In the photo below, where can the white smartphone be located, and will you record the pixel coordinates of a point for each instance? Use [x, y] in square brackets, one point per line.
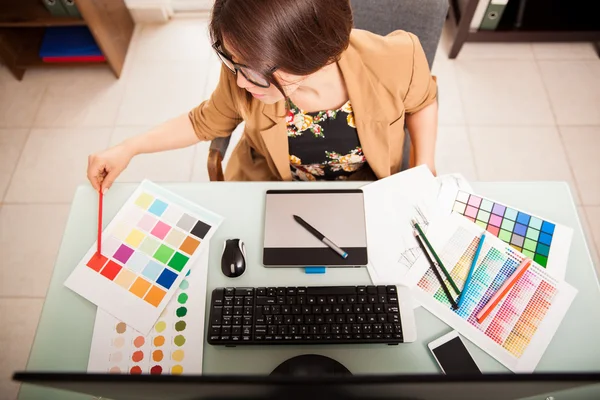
[452, 356]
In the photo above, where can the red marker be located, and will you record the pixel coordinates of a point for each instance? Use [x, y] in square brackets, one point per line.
[99, 250]
[508, 284]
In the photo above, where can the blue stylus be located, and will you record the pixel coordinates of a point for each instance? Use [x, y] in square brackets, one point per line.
[471, 270]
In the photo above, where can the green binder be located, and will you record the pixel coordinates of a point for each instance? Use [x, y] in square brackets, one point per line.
[55, 7]
[493, 14]
[71, 8]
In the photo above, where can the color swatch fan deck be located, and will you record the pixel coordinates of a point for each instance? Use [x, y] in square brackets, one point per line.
[173, 346]
[519, 328]
[147, 249]
[545, 242]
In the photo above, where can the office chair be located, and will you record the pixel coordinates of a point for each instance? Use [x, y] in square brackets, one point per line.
[424, 18]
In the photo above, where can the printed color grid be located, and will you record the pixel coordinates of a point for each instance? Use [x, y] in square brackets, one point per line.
[145, 252]
[526, 233]
[515, 320]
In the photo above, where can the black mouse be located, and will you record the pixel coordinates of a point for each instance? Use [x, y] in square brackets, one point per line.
[233, 261]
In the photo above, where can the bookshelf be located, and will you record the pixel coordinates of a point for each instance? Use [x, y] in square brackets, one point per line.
[462, 11]
[22, 25]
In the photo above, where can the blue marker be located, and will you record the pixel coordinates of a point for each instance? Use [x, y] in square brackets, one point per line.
[471, 270]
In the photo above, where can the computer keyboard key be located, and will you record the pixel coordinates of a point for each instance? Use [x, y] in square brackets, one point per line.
[280, 299]
[229, 291]
[368, 308]
[291, 300]
[269, 319]
[398, 328]
[288, 319]
[331, 299]
[238, 310]
[246, 338]
[271, 292]
[311, 300]
[361, 290]
[319, 319]
[382, 298]
[327, 309]
[237, 320]
[352, 299]
[216, 314]
[291, 291]
[371, 289]
[298, 319]
[298, 337]
[217, 297]
[228, 301]
[387, 335]
[378, 336]
[390, 308]
[271, 330]
[215, 330]
[338, 309]
[350, 318]
[288, 337]
[392, 289]
[226, 320]
[282, 330]
[330, 319]
[261, 291]
[340, 319]
[260, 330]
[244, 291]
[367, 328]
[348, 337]
[321, 300]
[238, 301]
[314, 329]
[293, 329]
[348, 309]
[278, 337]
[361, 318]
[392, 299]
[377, 328]
[246, 330]
[357, 336]
[393, 318]
[286, 310]
[236, 330]
[266, 310]
[301, 290]
[362, 299]
[335, 329]
[372, 298]
[276, 310]
[262, 301]
[341, 300]
[324, 329]
[304, 329]
[248, 301]
[309, 319]
[247, 310]
[382, 318]
[356, 328]
[306, 309]
[228, 311]
[371, 318]
[278, 319]
[316, 310]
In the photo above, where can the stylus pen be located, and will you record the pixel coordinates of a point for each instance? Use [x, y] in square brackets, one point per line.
[321, 237]
[506, 286]
[461, 298]
[99, 249]
[434, 267]
[435, 256]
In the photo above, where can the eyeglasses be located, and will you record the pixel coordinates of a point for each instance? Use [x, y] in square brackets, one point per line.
[253, 76]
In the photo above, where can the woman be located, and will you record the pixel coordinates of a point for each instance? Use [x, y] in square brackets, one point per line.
[319, 99]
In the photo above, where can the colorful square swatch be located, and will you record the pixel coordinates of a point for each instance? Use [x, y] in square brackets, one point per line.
[527, 233]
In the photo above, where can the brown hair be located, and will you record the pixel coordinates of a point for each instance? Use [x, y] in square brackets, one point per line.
[295, 36]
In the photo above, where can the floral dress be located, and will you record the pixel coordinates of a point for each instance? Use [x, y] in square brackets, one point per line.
[323, 145]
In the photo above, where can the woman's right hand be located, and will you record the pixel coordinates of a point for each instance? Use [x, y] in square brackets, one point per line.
[104, 167]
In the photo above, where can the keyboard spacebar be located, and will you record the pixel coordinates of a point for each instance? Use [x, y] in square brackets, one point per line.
[331, 290]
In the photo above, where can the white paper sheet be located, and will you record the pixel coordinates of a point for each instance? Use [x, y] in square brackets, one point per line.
[521, 326]
[390, 205]
[156, 244]
[173, 346]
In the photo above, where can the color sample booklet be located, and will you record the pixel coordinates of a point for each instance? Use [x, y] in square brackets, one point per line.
[147, 249]
[545, 242]
[173, 346]
[521, 326]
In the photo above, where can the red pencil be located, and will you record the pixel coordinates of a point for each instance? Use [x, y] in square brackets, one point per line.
[506, 286]
[100, 221]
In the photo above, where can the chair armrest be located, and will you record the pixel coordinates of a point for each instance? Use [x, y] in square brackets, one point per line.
[216, 153]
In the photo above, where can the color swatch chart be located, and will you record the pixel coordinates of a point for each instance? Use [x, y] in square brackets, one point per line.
[516, 323]
[173, 346]
[146, 250]
[534, 237]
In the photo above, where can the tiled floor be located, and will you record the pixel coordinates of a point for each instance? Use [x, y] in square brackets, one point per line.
[507, 112]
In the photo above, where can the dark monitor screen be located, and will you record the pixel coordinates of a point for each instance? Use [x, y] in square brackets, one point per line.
[372, 387]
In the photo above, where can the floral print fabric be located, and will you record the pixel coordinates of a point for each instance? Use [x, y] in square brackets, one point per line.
[323, 145]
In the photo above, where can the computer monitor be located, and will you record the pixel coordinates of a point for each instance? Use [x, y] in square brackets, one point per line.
[371, 387]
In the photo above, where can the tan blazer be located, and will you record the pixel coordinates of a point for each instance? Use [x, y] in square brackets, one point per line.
[386, 78]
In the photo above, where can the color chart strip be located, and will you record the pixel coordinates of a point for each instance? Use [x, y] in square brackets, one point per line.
[526, 233]
[149, 248]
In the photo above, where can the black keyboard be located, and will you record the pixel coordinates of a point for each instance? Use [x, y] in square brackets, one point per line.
[305, 315]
